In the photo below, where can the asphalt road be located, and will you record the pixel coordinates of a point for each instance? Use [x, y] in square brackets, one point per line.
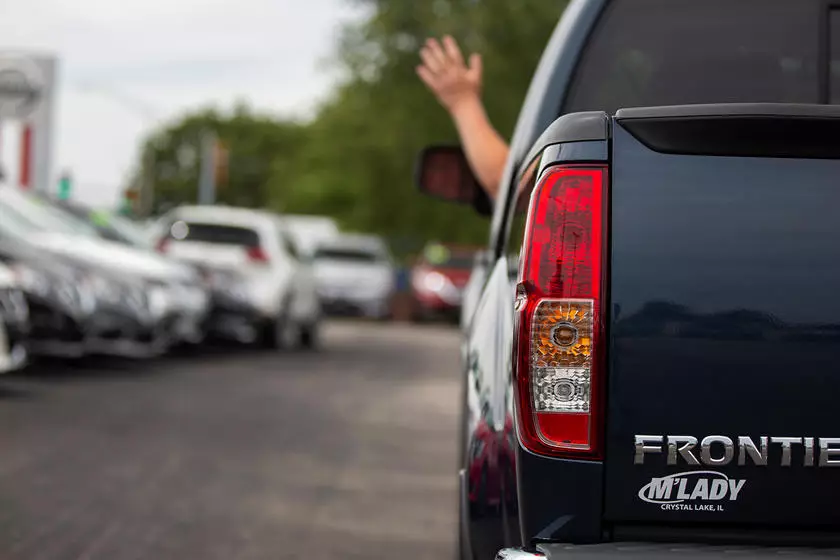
[344, 453]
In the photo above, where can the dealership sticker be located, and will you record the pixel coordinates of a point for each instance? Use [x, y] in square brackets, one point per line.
[692, 491]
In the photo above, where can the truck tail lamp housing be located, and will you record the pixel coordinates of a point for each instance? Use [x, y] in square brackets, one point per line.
[560, 349]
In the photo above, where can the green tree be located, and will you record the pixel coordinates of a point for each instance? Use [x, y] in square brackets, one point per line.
[355, 159]
[255, 143]
[358, 164]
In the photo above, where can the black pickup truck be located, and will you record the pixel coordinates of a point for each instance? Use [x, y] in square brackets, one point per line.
[650, 366]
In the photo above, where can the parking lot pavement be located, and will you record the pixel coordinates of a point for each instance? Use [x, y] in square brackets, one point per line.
[230, 454]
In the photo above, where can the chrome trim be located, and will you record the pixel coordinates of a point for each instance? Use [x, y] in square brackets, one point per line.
[827, 452]
[706, 450]
[518, 554]
[809, 452]
[688, 443]
[464, 542]
[786, 443]
[746, 446]
[641, 442]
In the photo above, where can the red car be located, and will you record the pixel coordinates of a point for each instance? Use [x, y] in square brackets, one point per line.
[438, 279]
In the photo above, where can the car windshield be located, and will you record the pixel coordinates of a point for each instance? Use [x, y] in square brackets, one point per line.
[129, 231]
[47, 217]
[347, 254]
[14, 224]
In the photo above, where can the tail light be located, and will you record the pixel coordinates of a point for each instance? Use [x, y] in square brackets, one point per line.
[161, 245]
[559, 362]
[257, 254]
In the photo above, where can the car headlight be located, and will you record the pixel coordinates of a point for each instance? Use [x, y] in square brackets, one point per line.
[438, 284]
[13, 307]
[136, 297]
[139, 298]
[435, 282]
[66, 292]
[87, 295]
[32, 280]
[61, 284]
[106, 290]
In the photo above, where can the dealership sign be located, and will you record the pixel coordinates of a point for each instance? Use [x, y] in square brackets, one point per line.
[21, 87]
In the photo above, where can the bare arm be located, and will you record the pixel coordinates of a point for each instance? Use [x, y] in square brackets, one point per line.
[458, 88]
[485, 149]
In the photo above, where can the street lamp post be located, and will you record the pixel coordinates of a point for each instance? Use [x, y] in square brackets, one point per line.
[150, 116]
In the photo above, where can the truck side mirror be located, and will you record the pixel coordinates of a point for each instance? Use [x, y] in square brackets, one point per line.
[443, 172]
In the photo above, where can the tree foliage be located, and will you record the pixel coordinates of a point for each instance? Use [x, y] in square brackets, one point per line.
[354, 160]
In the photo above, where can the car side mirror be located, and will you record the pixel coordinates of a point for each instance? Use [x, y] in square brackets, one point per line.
[443, 172]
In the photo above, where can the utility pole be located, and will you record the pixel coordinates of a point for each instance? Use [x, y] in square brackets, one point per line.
[147, 182]
[207, 173]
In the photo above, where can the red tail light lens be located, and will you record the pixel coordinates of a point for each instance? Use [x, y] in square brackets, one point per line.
[257, 254]
[559, 362]
[161, 245]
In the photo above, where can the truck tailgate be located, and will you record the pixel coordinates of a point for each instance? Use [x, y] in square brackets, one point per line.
[724, 326]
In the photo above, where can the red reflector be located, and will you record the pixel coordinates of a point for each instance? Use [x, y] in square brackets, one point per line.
[572, 429]
[559, 362]
[161, 245]
[257, 254]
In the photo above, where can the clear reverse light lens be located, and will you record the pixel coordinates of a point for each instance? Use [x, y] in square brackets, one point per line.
[561, 356]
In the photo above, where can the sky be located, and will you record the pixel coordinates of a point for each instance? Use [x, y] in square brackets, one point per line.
[126, 66]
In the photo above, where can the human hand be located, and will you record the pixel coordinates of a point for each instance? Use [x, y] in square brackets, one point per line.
[445, 74]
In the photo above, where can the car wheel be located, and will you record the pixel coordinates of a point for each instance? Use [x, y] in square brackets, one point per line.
[309, 336]
[290, 334]
[418, 313]
[281, 333]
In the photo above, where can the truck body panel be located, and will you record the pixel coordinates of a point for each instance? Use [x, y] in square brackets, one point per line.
[724, 325]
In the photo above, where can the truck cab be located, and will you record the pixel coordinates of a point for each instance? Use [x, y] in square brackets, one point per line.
[651, 355]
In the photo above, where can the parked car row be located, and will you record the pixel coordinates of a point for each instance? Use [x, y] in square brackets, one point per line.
[86, 294]
[75, 281]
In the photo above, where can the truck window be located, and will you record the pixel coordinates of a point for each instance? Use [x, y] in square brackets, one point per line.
[674, 52]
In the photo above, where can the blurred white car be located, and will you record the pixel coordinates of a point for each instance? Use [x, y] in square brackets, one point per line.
[263, 291]
[14, 317]
[355, 275]
[310, 231]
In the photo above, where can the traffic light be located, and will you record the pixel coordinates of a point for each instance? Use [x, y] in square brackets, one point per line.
[129, 202]
[65, 184]
[220, 161]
